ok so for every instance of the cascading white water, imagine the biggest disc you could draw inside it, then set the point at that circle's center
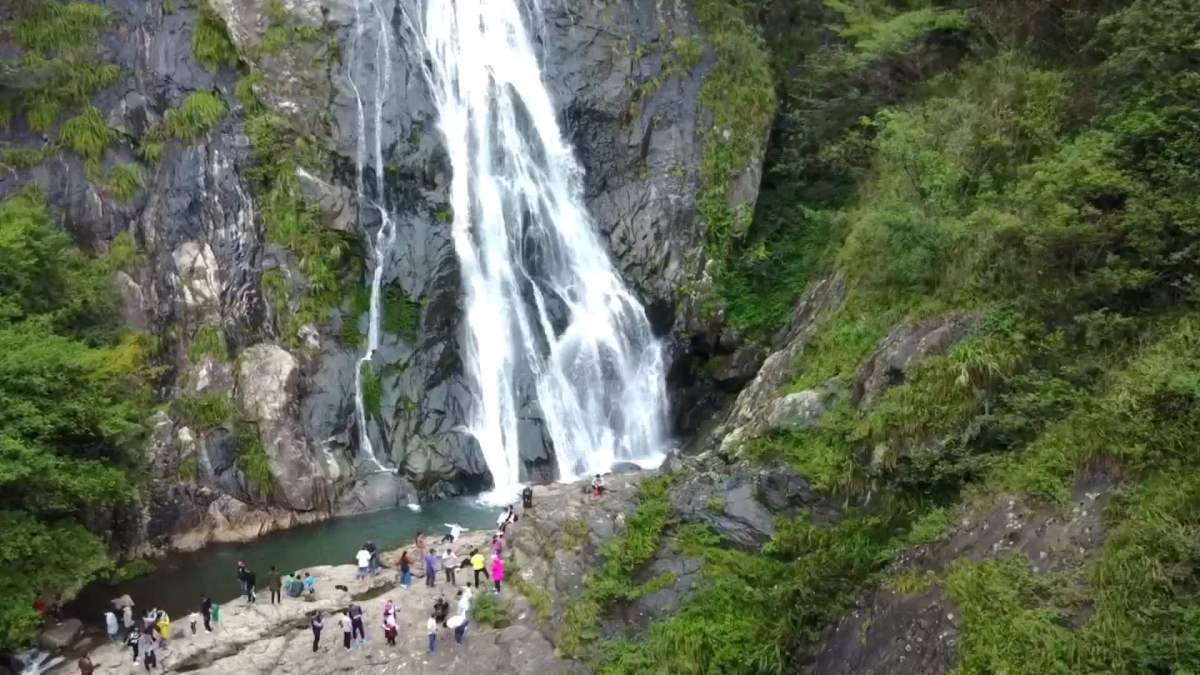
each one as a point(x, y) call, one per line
point(370, 11)
point(544, 304)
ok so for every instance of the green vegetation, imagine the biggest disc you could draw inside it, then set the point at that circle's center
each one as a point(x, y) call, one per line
point(252, 457)
point(741, 97)
point(59, 67)
point(401, 315)
point(372, 391)
point(75, 395)
point(195, 117)
point(131, 570)
point(490, 610)
point(325, 256)
point(621, 558)
point(283, 32)
point(87, 135)
point(1026, 170)
point(208, 341)
point(20, 159)
point(207, 412)
point(124, 180)
point(210, 40)
point(123, 253)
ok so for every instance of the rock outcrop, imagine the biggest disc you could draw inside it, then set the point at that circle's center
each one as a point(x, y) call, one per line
point(224, 286)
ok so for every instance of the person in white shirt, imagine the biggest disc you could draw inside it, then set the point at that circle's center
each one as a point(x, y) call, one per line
point(127, 617)
point(464, 600)
point(364, 562)
point(110, 625)
point(456, 531)
point(343, 622)
point(431, 628)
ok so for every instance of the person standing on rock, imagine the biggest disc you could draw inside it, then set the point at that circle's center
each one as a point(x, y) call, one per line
point(251, 584)
point(373, 564)
point(419, 543)
point(448, 565)
point(206, 612)
point(356, 624)
point(497, 571)
point(346, 625)
point(146, 643)
point(316, 623)
point(459, 623)
point(430, 569)
point(477, 565)
point(276, 586)
point(241, 575)
point(405, 570)
point(441, 610)
point(431, 626)
point(527, 497)
point(111, 627)
point(127, 617)
point(86, 667)
point(133, 640)
point(390, 628)
point(497, 544)
point(363, 558)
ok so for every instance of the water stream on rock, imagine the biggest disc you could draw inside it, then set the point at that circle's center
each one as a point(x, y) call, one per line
point(370, 11)
point(551, 332)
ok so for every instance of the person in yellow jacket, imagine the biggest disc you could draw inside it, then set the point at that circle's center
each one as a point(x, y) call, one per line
point(164, 629)
point(477, 565)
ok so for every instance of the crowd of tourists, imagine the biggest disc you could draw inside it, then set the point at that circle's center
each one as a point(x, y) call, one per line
point(148, 638)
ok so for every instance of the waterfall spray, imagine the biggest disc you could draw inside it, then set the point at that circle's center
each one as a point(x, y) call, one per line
point(548, 318)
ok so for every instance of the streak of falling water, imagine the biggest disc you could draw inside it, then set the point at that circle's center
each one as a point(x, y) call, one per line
point(369, 14)
point(545, 307)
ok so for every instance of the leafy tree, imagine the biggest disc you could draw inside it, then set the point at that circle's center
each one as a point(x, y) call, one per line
point(73, 399)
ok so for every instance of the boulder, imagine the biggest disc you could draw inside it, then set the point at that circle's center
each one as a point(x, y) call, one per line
point(902, 349)
point(61, 636)
point(268, 387)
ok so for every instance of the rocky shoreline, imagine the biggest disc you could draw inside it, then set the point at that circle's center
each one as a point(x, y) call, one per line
point(261, 638)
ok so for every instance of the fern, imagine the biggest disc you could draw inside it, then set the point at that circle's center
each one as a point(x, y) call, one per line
point(87, 134)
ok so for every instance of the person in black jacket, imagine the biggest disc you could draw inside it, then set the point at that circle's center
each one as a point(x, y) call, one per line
point(316, 624)
point(206, 612)
point(251, 582)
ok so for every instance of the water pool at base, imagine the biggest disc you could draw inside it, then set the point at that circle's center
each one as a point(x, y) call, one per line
point(180, 578)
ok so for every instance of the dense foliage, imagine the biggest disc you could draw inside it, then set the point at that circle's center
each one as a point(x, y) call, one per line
point(73, 400)
point(1030, 170)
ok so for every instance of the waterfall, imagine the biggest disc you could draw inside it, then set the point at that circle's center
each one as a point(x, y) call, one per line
point(385, 237)
point(551, 331)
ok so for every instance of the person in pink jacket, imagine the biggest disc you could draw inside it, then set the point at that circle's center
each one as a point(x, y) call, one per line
point(497, 571)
